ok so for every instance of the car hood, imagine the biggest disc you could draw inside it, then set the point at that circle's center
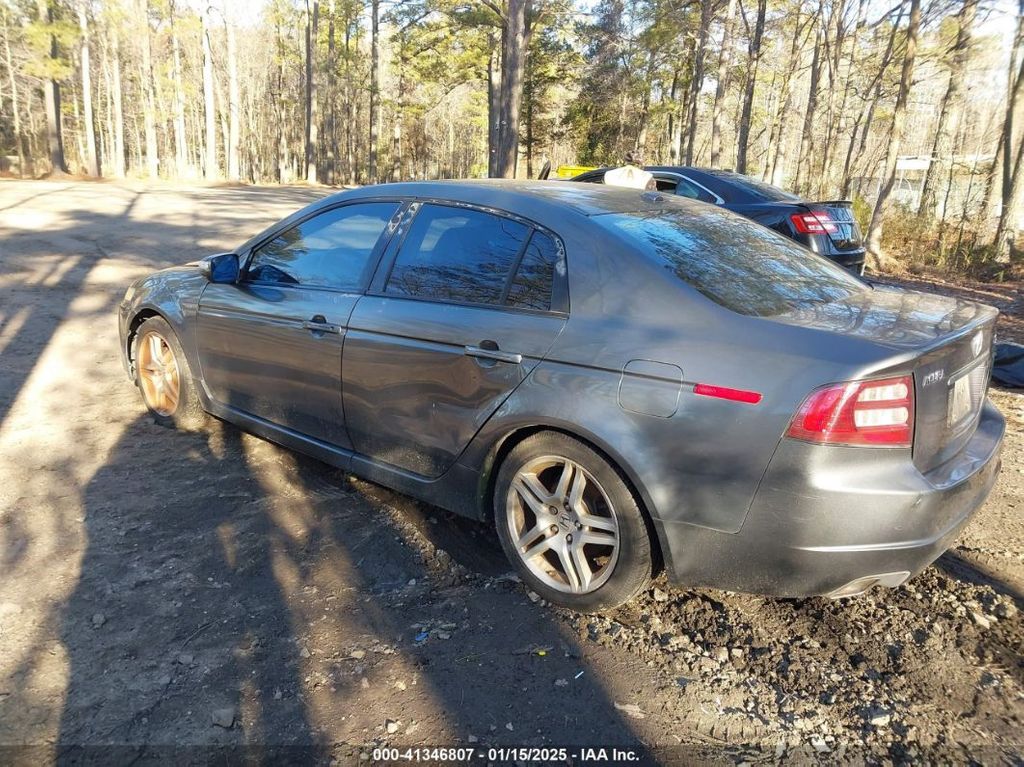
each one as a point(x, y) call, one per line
point(898, 319)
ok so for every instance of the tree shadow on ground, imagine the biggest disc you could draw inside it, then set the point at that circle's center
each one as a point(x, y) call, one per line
point(227, 576)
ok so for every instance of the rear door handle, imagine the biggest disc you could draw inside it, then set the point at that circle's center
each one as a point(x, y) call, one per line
point(318, 324)
point(484, 353)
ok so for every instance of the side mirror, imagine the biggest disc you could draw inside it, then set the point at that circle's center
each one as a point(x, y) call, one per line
point(220, 268)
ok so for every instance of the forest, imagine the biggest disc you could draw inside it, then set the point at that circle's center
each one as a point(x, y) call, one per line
point(914, 110)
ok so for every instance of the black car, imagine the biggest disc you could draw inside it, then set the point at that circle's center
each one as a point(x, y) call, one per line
point(827, 228)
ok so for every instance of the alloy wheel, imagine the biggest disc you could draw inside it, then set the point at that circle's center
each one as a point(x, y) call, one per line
point(563, 525)
point(158, 374)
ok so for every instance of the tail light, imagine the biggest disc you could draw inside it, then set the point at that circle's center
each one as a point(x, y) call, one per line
point(877, 413)
point(815, 222)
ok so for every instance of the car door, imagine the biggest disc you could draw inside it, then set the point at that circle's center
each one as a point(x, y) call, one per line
point(464, 305)
point(270, 345)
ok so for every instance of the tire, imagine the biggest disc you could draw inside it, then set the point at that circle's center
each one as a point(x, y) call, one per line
point(569, 521)
point(184, 411)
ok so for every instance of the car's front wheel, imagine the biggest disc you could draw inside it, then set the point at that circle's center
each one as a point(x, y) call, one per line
point(570, 525)
point(163, 376)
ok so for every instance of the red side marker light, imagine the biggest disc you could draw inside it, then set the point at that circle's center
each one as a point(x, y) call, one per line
point(724, 392)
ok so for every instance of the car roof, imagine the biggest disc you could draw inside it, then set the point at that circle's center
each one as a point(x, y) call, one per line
point(728, 184)
point(516, 196)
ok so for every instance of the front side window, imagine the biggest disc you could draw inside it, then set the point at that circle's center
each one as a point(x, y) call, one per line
point(330, 250)
point(458, 255)
point(733, 261)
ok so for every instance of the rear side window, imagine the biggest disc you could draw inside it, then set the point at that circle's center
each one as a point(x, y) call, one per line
point(330, 250)
point(531, 286)
point(686, 188)
point(467, 256)
point(736, 263)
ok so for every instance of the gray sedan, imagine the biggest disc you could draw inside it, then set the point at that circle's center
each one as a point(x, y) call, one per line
point(621, 380)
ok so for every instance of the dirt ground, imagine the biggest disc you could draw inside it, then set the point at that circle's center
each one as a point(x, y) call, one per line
point(160, 590)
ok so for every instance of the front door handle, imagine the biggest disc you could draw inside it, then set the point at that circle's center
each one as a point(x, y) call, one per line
point(318, 324)
point(484, 352)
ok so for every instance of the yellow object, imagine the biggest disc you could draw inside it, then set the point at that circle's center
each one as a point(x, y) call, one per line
point(568, 171)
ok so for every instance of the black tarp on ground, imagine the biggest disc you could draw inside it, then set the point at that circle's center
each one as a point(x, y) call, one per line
point(1008, 369)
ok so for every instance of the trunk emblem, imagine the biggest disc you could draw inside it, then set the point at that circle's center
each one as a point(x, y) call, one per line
point(977, 343)
point(934, 377)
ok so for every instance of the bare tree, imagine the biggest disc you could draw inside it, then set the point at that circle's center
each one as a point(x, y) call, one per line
point(874, 238)
point(724, 63)
point(941, 146)
point(92, 153)
point(12, 83)
point(697, 78)
point(1012, 152)
point(180, 142)
point(147, 77)
point(233, 102)
point(374, 86)
point(312, 21)
point(51, 94)
point(750, 81)
point(209, 112)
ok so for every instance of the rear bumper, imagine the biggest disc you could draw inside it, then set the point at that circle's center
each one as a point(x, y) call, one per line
point(830, 519)
point(852, 260)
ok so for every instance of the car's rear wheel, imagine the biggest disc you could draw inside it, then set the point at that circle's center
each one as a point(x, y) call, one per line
point(163, 376)
point(570, 525)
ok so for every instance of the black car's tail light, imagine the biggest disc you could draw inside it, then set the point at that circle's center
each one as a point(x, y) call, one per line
point(815, 222)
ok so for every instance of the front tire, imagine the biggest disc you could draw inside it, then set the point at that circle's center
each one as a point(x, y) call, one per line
point(570, 525)
point(164, 377)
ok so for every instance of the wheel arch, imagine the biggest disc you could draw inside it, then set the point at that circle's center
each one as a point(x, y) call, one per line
point(504, 444)
point(143, 314)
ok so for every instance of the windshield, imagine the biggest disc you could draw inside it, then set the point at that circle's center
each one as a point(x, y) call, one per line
point(735, 262)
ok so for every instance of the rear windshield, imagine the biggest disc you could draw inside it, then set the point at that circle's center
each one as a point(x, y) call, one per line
point(757, 187)
point(735, 262)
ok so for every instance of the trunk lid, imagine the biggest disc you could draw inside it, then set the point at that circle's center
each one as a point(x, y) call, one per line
point(945, 342)
point(847, 234)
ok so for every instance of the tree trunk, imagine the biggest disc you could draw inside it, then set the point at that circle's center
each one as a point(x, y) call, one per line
point(675, 131)
point(234, 172)
point(754, 58)
point(1013, 154)
point(92, 157)
point(775, 172)
point(874, 238)
point(867, 114)
point(374, 87)
point(13, 83)
point(51, 95)
point(493, 91)
point(120, 158)
point(941, 144)
point(807, 135)
point(149, 97)
point(697, 80)
point(514, 44)
point(724, 64)
point(330, 172)
point(180, 141)
point(312, 19)
point(210, 170)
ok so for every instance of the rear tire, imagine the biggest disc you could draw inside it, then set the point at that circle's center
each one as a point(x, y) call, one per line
point(570, 525)
point(164, 378)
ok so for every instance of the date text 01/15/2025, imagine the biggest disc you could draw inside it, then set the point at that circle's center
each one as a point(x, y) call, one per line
point(469, 754)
